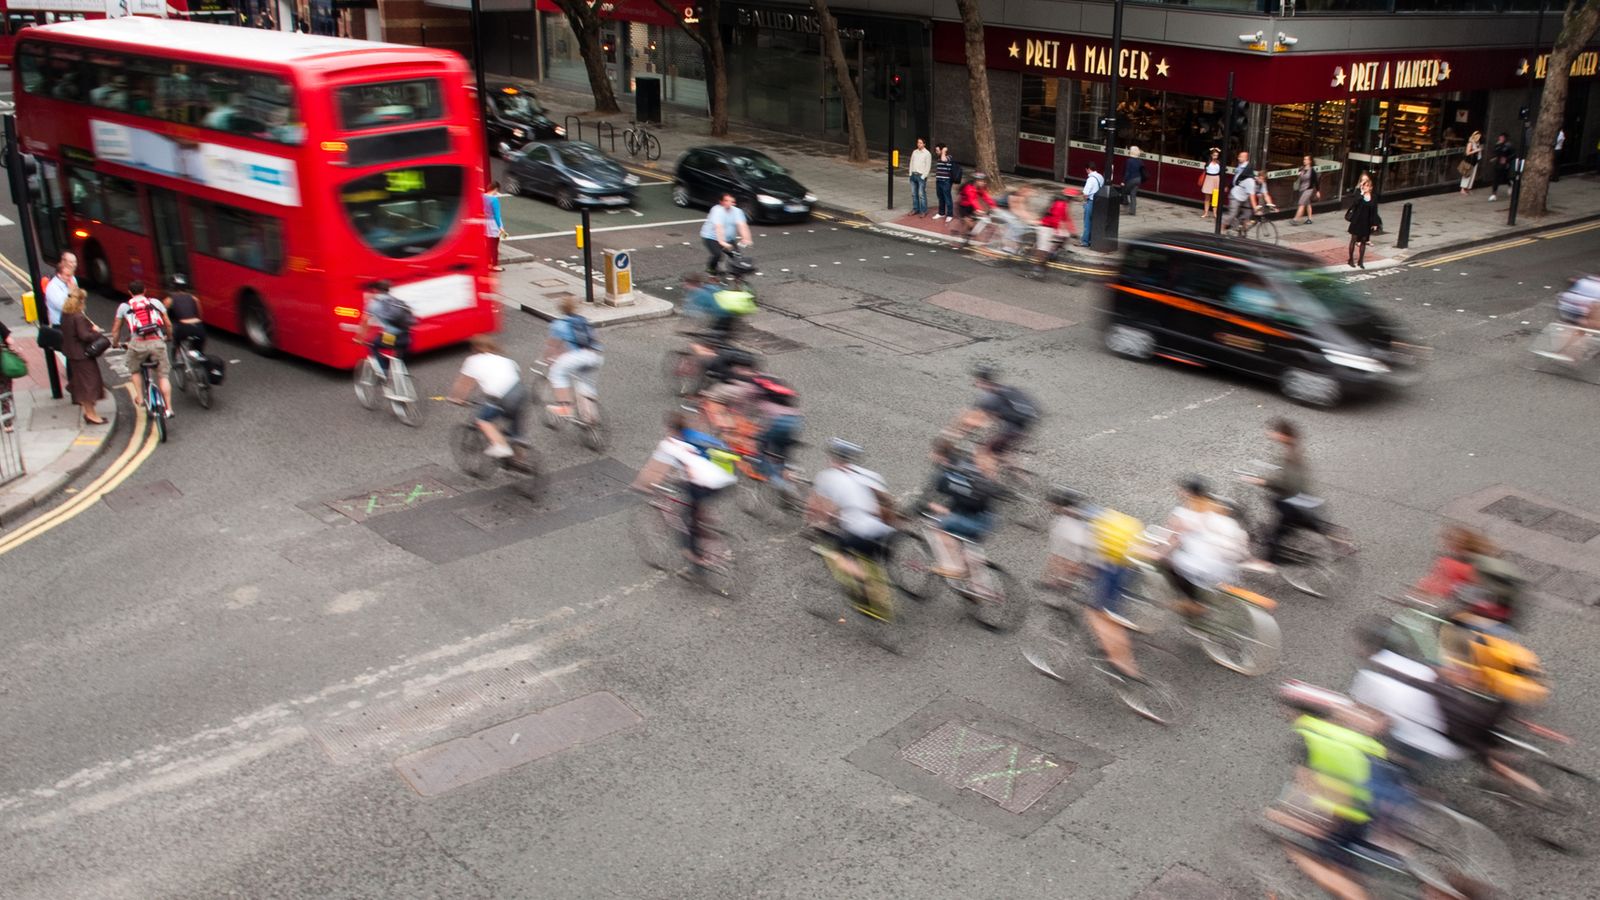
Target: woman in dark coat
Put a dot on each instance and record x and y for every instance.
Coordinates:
(1363, 218)
(84, 380)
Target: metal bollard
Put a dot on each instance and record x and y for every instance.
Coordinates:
(1405, 228)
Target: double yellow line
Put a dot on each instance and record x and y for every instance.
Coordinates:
(140, 446)
(1507, 245)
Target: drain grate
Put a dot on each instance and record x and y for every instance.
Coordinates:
(1545, 519)
(392, 498)
(360, 733)
(503, 747)
(1011, 774)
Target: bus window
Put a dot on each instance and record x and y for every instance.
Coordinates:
(237, 236)
(66, 73)
(389, 103)
(404, 212)
(84, 188)
(110, 81)
(122, 204)
(35, 71)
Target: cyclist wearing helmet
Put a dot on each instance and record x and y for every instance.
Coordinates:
(851, 503)
(964, 509)
(391, 320)
(183, 308)
(1006, 410)
(1094, 545)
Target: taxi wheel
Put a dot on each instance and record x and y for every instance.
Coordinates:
(1130, 342)
(680, 196)
(1310, 388)
(566, 199)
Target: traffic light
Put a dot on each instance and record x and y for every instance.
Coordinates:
(1108, 124)
(23, 174)
(897, 87)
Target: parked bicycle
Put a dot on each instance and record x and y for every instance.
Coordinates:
(396, 387)
(586, 416)
(660, 532)
(638, 139)
(1317, 557)
(191, 369)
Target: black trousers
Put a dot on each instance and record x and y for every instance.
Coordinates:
(714, 248)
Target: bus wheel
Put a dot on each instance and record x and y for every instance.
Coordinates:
(96, 269)
(257, 325)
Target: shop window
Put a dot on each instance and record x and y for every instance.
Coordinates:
(1089, 105)
(1039, 107)
(1139, 119)
(1193, 126)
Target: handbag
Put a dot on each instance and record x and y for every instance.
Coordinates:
(12, 365)
(97, 347)
(49, 338)
(1350, 212)
(1463, 168)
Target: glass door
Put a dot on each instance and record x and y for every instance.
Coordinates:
(172, 247)
(1036, 136)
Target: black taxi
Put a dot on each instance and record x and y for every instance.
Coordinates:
(1255, 308)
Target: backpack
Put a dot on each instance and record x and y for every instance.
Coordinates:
(775, 390)
(1507, 668)
(955, 172)
(144, 317)
(1018, 409)
(582, 332)
(1114, 534)
(395, 313)
(735, 303)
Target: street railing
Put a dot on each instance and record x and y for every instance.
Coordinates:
(10, 444)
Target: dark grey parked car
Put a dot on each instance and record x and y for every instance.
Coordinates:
(762, 188)
(572, 173)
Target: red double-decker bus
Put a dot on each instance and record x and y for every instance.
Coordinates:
(281, 173)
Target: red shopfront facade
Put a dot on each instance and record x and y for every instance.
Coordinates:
(1342, 109)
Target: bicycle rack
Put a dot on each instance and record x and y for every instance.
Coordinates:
(609, 130)
(574, 131)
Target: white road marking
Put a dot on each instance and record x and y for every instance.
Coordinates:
(549, 234)
(5, 222)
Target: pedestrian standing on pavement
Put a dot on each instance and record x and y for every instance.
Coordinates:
(1502, 153)
(921, 165)
(60, 286)
(725, 229)
(1364, 221)
(494, 224)
(1211, 184)
(1305, 186)
(1468, 167)
(1092, 183)
(1132, 177)
(945, 176)
(85, 383)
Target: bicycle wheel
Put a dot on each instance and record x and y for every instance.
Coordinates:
(679, 371)
(366, 377)
(405, 405)
(1267, 232)
(1150, 698)
(179, 367)
(1142, 610)
(593, 432)
(1007, 608)
(652, 147)
(1315, 564)
(539, 394)
(1566, 817)
(630, 139)
(1446, 842)
(1240, 636)
(1026, 501)
(202, 388)
(910, 564)
(756, 497)
(158, 411)
(467, 444)
(719, 574)
(656, 541)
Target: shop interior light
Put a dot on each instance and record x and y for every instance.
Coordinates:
(1414, 108)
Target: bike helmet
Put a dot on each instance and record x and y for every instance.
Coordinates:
(1196, 485)
(178, 280)
(985, 371)
(979, 176)
(1066, 497)
(843, 450)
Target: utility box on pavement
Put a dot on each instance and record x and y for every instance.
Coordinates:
(647, 99)
(1104, 219)
(618, 266)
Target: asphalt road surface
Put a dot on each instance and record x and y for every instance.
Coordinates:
(265, 666)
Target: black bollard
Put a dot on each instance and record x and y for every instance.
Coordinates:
(1405, 228)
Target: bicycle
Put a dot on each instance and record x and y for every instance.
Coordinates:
(586, 416)
(189, 367)
(467, 446)
(1235, 629)
(1555, 347)
(1257, 226)
(995, 597)
(154, 401)
(638, 138)
(683, 369)
(762, 496)
(1001, 252)
(1049, 654)
(660, 533)
(395, 387)
(1317, 557)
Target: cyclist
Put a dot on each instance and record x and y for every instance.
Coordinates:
(701, 478)
(1055, 226)
(777, 406)
(1406, 691)
(148, 327)
(1207, 545)
(726, 229)
(964, 510)
(1018, 217)
(1005, 409)
(392, 320)
(1246, 191)
(1088, 542)
(974, 201)
(852, 505)
(571, 351)
(183, 308)
(498, 378)
(1289, 480)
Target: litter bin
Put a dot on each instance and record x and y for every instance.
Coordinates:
(647, 99)
(1104, 219)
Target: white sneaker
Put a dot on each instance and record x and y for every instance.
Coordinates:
(1491, 198)
(496, 451)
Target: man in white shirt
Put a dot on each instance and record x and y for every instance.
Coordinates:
(1398, 687)
(1092, 183)
(58, 288)
(725, 225)
(499, 379)
(921, 165)
(851, 500)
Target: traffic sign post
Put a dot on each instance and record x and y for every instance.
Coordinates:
(22, 170)
(618, 266)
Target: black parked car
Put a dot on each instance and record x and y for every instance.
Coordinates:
(514, 117)
(572, 173)
(762, 188)
(1263, 310)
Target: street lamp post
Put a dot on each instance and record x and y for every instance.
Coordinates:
(475, 13)
(1527, 117)
(1105, 233)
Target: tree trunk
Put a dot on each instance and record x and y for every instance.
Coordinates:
(585, 22)
(855, 126)
(708, 34)
(978, 89)
(1578, 26)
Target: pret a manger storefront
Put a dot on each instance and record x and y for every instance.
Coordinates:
(1406, 113)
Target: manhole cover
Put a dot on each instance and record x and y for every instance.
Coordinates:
(1516, 509)
(1010, 773)
(142, 495)
(1569, 527)
(503, 747)
(393, 498)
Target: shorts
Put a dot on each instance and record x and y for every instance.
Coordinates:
(972, 527)
(574, 362)
(1109, 582)
(967, 210)
(152, 349)
(876, 549)
(508, 407)
(186, 332)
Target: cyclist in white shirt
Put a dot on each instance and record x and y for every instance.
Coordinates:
(498, 378)
(849, 500)
(1207, 547)
(700, 478)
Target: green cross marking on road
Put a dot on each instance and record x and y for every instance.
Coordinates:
(378, 499)
(1010, 772)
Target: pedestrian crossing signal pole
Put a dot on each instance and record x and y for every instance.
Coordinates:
(896, 93)
(583, 235)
